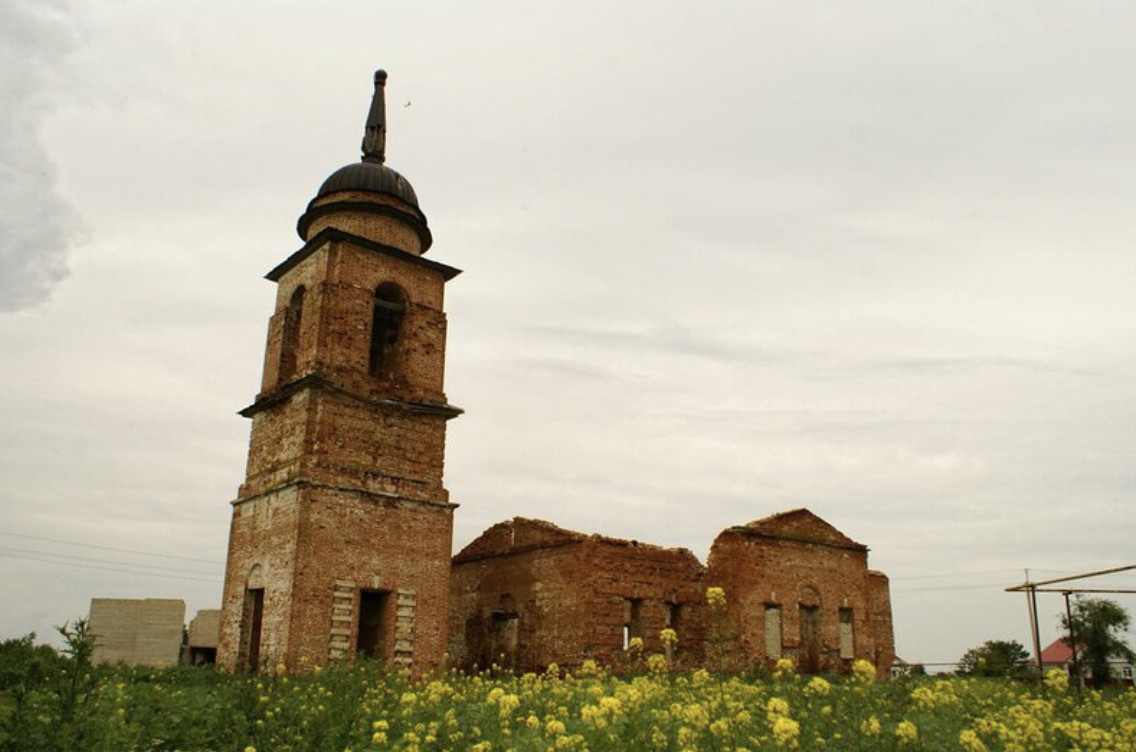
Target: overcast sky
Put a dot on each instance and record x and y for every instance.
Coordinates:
(722, 260)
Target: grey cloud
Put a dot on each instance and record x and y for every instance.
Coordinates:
(37, 224)
(676, 339)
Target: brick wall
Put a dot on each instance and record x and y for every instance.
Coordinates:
(527, 593)
(806, 569)
(343, 513)
(568, 592)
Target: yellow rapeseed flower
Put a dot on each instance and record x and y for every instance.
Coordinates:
(864, 671)
(907, 732)
(507, 704)
(1056, 678)
(818, 686)
(786, 731)
(777, 706)
(715, 597)
(610, 705)
(970, 742)
(870, 727)
(668, 636)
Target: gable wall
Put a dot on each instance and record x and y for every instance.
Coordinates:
(760, 571)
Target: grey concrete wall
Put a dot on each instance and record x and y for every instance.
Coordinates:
(138, 632)
(204, 627)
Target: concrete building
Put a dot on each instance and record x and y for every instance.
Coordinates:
(137, 631)
(201, 638)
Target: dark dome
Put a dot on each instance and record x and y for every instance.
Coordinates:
(372, 177)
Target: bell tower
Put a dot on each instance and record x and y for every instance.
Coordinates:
(341, 534)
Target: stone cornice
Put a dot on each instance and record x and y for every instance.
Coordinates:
(319, 381)
(378, 496)
(330, 234)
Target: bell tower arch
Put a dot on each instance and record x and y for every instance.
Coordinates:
(343, 514)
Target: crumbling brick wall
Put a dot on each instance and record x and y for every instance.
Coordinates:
(798, 588)
(527, 593)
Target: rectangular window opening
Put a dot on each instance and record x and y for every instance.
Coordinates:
(847, 643)
(633, 625)
(674, 617)
(772, 631)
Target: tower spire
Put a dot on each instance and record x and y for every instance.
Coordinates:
(375, 135)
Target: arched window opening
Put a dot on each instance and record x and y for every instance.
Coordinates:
(290, 339)
(386, 323)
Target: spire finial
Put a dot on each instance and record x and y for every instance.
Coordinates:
(375, 135)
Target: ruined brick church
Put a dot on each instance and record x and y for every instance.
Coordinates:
(341, 537)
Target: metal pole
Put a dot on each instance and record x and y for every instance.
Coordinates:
(1073, 641)
(1032, 594)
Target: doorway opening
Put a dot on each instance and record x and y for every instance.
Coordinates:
(810, 640)
(370, 640)
(252, 619)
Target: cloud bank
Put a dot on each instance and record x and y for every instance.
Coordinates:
(37, 224)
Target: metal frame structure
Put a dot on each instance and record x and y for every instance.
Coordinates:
(1031, 589)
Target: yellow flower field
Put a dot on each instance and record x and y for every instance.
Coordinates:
(363, 708)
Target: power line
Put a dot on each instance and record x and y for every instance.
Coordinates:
(104, 561)
(108, 548)
(947, 587)
(108, 569)
(972, 574)
(955, 574)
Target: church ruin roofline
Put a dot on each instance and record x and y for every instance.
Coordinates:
(569, 538)
(331, 234)
(318, 381)
(741, 529)
(771, 528)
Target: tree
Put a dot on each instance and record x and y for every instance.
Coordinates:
(994, 658)
(1096, 630)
